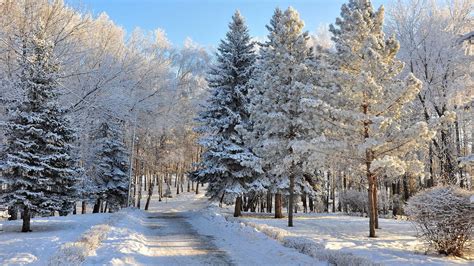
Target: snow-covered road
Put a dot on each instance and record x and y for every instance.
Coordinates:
(173, 240)
(182, 232)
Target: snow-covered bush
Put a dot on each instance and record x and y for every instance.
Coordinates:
(444, 217)
(356, 201)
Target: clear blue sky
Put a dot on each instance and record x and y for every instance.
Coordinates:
(205, 21)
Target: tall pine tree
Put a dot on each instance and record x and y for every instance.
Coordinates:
(227, 165)
(38, 169)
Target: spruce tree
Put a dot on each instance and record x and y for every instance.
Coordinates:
(111, 180)
(37, 166)
(280, 121)
(228, 165)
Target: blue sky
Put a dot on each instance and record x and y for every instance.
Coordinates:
(205, 21)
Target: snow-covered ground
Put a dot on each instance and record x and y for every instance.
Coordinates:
(336, 235)
(48, 235)
(183, 231)
(187, 230)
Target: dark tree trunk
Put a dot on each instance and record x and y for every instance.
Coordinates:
(269, 202)
(406, 193)
(197, 188)
(278, 206)
(305, 205)
(139, 200)
(96, 206)
(160, 187)
(253, 203)
(26, 220)
(371, 208)
(376, 206)
(238, 207)
(221, 200)
(311, 204)
(150, 194)
(431, 180)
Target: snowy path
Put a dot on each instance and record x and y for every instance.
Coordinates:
(181, 232)
(176, 242)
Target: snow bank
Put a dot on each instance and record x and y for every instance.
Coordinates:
(49, 234)
(75, 253)
(253, 246)
(308, 246)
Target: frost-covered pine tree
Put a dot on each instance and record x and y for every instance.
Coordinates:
(278, 115)
(110, 180)
(228, 165)
(38, 169)
(364, 105)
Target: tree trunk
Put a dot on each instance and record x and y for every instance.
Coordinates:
(238, 207)
(328, 191)
(431, 181)
(160, 187)
(376, 206)
(96, 206)
(221, 200)
(371, 209)
(26, 220)
(406, 193)
(305, 205)
(269, 201)
(139, 200)
(197, 187)
(150, 194)
(84, 207)
(278, 206)
(311, 204)
(291, 203)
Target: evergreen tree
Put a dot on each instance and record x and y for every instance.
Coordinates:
(227, 165)
(111, 180)
(37, 166)
(279, 117)
(363, 106)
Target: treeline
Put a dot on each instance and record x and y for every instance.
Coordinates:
(91, 115)
(357, 123)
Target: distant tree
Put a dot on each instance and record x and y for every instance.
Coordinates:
(431, 35)
(111, 179)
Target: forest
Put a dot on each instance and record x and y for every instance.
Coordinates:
(370, 118)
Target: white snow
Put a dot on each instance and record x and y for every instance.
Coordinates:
(396, 243)
(184, 231)
(188, 230)
(49, 233)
